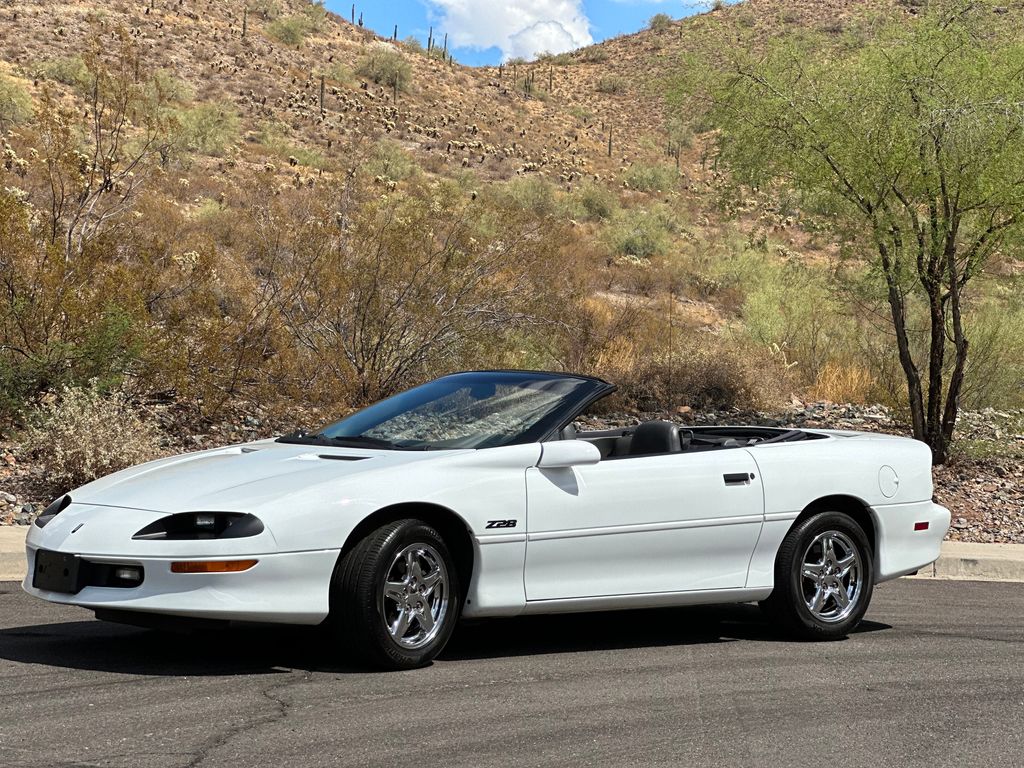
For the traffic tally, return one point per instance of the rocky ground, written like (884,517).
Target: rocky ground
(983,485)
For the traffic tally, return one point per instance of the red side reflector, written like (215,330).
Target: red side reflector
(212,566)
(921,526)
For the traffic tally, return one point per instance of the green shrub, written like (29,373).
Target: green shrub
(15,103)
(612,84)
(165,86)
(651,178)
(581,113)
(338,72)
(640,234)
(413,45)
(207,128)
(659,22)
(556,59)
(386,66)
(533,194)
(791,307)
(291,30)
(101,349)
(391,161)
(274,137)
(995,368)
(592,202)
(595,54)
(69,70)
(268,9)
(680,133)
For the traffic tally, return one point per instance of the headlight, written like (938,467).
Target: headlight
(202,525)
(55,508)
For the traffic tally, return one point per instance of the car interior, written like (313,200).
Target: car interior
(652,438)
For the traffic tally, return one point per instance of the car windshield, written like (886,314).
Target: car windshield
(468,410)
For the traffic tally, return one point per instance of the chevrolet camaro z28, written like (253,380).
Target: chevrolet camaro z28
(474,495)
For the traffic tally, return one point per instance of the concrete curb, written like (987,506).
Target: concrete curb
(12,552)
(977,562)
(965,562)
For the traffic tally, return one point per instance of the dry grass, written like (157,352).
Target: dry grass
(82,434)
(843,383)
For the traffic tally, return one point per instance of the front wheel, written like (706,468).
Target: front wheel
(395,596)
(824,577)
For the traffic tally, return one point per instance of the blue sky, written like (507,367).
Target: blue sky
(488,31)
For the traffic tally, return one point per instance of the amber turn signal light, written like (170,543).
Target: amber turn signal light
(212,566)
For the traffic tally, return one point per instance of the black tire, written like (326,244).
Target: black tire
(788,605)
(361,613)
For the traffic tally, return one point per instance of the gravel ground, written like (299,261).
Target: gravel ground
(983,485)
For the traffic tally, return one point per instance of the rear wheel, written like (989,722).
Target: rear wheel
(395,596)
(824,577)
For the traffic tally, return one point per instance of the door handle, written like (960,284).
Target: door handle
(738,478)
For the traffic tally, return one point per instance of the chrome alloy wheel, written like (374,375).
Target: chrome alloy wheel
(415,598)
(831,576)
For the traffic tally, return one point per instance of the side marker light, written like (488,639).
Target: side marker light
(212,566)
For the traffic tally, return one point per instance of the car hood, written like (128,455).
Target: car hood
(242,477)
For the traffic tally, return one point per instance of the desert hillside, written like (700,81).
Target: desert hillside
(224,218)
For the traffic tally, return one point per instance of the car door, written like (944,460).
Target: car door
(645,524)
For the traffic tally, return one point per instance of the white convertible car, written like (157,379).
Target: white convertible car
(474,495)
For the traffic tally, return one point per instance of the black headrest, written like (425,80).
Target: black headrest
(655,437)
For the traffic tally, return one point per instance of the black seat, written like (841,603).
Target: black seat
(655,437)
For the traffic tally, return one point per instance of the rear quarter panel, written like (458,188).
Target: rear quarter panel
(794,475)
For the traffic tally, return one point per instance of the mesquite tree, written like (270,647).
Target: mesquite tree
(911,145)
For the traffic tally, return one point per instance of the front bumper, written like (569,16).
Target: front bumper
(289,588)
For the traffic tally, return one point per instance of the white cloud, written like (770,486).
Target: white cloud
(517,27)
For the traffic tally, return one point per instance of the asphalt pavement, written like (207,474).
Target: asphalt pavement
(934,677)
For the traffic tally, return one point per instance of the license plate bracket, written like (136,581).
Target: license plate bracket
(57,572)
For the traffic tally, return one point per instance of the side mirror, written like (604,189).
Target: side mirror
(568,453)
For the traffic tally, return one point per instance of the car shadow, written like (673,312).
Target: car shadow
(617,630)
(105,647)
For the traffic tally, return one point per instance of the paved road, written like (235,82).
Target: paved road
(935,678)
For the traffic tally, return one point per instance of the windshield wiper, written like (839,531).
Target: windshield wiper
(303,437)
(359,440)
